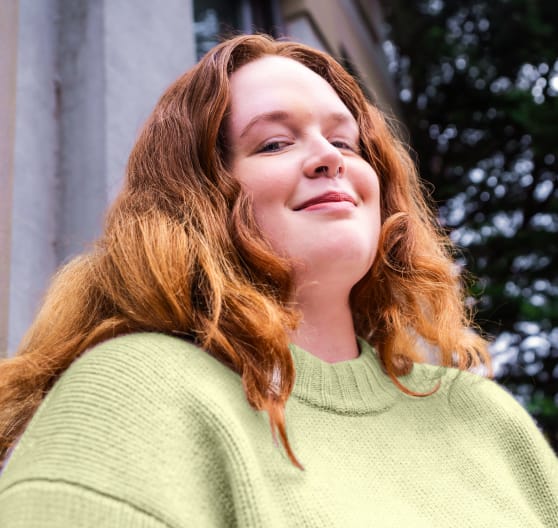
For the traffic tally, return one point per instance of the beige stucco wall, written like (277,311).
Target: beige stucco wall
(353,28)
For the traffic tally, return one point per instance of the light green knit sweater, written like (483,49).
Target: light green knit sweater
(148,431)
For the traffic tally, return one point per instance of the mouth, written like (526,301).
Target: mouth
(328,197)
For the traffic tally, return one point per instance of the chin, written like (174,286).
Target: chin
(345,261)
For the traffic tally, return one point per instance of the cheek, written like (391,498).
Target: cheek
(274,227)
(367,186)
(269,194)
(267,184)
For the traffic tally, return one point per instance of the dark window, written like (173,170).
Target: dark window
(218,19)
(214,19)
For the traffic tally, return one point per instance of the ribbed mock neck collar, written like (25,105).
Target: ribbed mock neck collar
(356,386)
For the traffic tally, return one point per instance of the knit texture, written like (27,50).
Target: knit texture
(149,431)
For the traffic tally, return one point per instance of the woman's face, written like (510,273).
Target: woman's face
(295,150)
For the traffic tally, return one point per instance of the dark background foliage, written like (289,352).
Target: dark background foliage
(478,94)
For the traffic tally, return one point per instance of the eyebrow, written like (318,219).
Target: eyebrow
(279,116)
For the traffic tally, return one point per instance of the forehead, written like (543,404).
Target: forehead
(280,83)
(274,67)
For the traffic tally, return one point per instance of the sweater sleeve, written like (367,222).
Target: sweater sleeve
(533,464)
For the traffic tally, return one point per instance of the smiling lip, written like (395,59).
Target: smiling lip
(332,196)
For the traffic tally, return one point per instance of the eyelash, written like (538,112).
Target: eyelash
(343,145)
(266,146)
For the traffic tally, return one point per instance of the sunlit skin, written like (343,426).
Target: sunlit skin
(295,150)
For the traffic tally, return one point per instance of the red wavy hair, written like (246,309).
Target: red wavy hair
(181,254)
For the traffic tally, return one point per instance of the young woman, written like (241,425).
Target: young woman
(247,344)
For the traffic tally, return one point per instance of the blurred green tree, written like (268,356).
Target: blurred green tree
(478,92)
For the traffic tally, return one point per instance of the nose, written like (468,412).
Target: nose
(324,160)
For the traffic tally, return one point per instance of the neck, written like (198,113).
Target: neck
(326,329)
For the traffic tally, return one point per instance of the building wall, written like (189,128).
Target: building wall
(8,68)
(85,74)
(34,188)
(350,30)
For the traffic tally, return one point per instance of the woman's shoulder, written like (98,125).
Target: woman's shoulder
(484,417)
(132,390)
(129,407)
(146,351)
(148,378)
(153,365)
(480,404)
(459,386)
(139,418)
(467,392)
(472,394)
